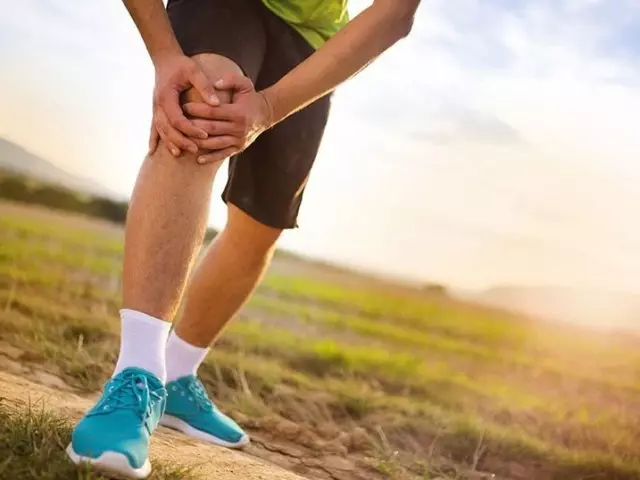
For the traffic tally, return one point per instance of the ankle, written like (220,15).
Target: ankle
(142,343)
(182,358)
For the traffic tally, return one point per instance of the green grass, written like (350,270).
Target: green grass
(437,376)
(32,254)
(37,229)
(404,310)
(32,443)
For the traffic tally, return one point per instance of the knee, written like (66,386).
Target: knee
(192,95)
(254,247)
(255,242)
(214,66)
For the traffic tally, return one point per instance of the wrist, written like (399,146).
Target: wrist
(273,102)
(160,56)
(268,116)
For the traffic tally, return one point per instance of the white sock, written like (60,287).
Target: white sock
(182,358)
(142,343)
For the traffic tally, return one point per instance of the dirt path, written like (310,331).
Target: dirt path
(167,446)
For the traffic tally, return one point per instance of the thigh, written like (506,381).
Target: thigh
(267,180)
(230,28)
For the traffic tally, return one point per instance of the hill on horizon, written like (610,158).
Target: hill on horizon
(17,159)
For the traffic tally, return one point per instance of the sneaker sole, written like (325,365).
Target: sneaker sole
(112,463)
(176,424)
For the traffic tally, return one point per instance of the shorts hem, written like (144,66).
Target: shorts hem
(277,225)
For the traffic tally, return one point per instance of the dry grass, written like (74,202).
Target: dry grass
(32,442)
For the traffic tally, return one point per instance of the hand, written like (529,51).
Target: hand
(175,74)
(234,126)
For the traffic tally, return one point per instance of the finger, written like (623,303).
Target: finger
(177,137)
(202,110)
(173,138)
(170,103)
(215,127)
(204,87)
(175,151)
(153,140)
(234,81)
(217,156)
(218,142)
(162,128)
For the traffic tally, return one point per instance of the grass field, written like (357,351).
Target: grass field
(32,445)
(412,385)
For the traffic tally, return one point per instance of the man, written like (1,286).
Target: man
(209,54)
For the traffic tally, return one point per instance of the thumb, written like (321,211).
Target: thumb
(234,81)
(204,87)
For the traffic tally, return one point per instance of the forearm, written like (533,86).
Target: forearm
(343,56)
(153,24)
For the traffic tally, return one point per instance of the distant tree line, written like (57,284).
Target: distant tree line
(24,189)
(27,190)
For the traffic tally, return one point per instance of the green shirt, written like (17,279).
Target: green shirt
(315,20)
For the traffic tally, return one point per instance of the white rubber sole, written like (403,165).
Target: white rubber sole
(112,463)
(182,426)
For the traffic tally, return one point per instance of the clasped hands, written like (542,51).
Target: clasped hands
(209,128)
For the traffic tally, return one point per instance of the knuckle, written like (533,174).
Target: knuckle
(184,124)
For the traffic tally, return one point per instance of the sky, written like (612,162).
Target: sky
(497,144)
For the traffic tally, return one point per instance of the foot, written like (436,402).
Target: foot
(114,435)
(190,411)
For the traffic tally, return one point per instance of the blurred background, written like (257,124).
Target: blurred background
(472,218)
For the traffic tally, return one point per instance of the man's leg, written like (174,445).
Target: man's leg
(228,274)
(165,228)
(264,194)
(232,268)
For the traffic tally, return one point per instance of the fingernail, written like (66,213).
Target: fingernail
(202,160)
(175,152)
(214,99)
(219,83)
(203,135)
(193,149)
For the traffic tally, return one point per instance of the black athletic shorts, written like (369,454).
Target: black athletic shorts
(267,180)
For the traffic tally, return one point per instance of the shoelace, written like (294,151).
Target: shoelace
(200,395)
(131,392)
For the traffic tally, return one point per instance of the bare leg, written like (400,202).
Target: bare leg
(167,221)
(229,273)
(164,231)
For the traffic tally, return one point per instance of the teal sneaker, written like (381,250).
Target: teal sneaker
(190,411)
(114,435)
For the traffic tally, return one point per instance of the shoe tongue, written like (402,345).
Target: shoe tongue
(153,381)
